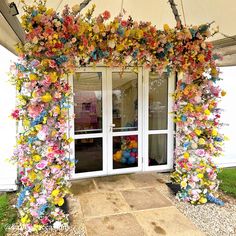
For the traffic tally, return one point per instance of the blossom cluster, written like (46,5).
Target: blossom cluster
(58,43)
(198,138)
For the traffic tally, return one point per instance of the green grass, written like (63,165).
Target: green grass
(228,181)
(8,214)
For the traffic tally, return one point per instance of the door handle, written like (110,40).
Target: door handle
(111,126)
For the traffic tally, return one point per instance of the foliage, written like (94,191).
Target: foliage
(8,214)
(228,181)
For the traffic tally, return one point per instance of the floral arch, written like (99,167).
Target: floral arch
(57,44)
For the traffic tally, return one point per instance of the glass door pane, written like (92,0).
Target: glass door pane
(125,101)
(157,119)
(88,102)
(125,120)
(158,101)
(88,119)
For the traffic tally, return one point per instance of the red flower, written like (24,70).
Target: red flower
(124,23)
(106,15)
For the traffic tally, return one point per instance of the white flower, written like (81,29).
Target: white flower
(111,43)
(128,59)
(57,225)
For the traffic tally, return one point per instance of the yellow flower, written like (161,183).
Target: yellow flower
(214,132)
(186,155)
(56,110)
(201,58)
(202,200)
(223,93)
(55,192)
(25,219)
(33,77)
(214,72)
(53,77)
(198,132)
(166,27)
(46,97)
(183,184)
(36,158)
(60,201)
(207,112)
(32,175)
(200,175)
(201,141)
(37,227)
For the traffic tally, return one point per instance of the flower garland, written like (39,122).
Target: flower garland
(57,44)
(198,139)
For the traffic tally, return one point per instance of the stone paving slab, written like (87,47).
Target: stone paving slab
(142,180)
(147,198)
(166,221)
(115,225)
(113,183)
(100,204)
(127,205)
(83,186)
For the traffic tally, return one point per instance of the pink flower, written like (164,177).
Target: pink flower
(200,152)
(106,15)
(41,165)
(15,114)
(41,200)
(34,110)
(34,213)
(52,64)
(45,220)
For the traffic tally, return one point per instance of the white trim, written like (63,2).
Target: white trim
(112,133)
(108,133)
(169,131)
(93,135)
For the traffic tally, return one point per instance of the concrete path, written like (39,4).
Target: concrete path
(127,205)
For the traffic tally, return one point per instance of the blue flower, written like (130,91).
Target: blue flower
(21,197)
(182,86)
(215,200)
(184,118)
(120,30)
(42,209)
(38,119)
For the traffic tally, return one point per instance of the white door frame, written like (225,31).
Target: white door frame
(102,135)
(142,132)
(170,128)
(112,134)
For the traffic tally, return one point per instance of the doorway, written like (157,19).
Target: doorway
(122,121)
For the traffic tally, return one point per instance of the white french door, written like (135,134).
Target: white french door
(117,127)
(124,121)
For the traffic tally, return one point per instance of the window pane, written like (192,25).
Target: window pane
(125,101)
(157,149)
(88,102)
(158,101)
(125,151)
(88,155)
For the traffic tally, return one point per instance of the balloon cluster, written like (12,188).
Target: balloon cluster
(129,150)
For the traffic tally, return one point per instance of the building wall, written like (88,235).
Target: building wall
(228,115)
(8,172)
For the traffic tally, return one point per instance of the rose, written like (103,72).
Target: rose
(41,165)
(106,15)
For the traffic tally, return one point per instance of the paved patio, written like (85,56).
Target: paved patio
(127,205)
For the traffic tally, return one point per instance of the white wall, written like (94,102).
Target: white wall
(228,115)
(8,171)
